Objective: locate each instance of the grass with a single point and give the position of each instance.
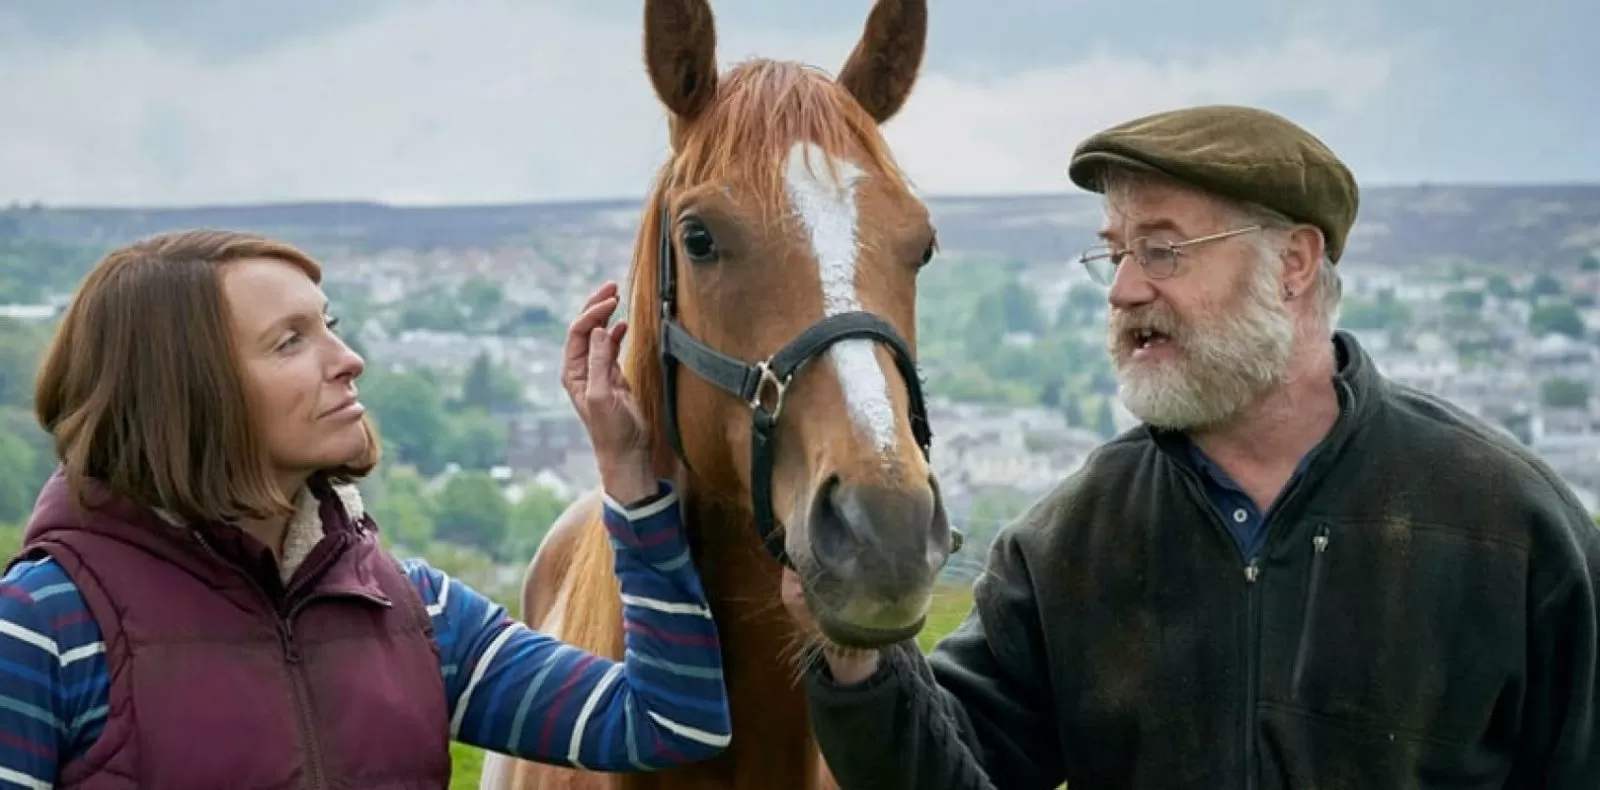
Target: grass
(950, 605)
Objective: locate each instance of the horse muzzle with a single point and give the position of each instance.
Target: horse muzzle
(870, 555)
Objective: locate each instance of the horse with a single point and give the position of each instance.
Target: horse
(772, 312)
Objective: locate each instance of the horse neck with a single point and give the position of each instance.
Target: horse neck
(771, 731)
(735, 568)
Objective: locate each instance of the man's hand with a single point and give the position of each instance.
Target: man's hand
(848, 667)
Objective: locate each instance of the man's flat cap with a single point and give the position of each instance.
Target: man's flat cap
(1237, 152)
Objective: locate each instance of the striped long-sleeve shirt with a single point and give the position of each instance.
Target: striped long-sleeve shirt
(510, 689)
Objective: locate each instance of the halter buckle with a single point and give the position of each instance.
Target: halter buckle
(769, 380)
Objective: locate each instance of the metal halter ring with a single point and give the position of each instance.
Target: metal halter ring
(769, 380)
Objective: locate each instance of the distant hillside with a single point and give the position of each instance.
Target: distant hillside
(1524, 226)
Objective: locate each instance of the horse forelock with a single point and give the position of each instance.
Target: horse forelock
(764, 107)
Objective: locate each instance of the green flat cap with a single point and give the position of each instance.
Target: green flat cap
(1238, 152)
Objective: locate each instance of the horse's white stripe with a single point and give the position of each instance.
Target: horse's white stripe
(573, 751)
(828, 210)
(666, 606)
(708, 738)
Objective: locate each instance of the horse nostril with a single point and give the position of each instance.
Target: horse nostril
(887, 538)
(834, 536)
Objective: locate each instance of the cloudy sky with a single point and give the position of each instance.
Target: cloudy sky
(162, 102)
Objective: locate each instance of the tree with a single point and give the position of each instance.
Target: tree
(477, 387)
(21, 424)
(1589, 263)
(1008, 308)
(531, 519)
(21, 345)
(480, 297)
(409, 412)
(1560, 392)
(477, 570)
(1464, 300)
(18, 485)
(1545, 285)
(1499, 286)
(1083, 302)
(1106, 421)
(1559, 318)
(472, 511)
(489, 386)
(991, 511)
(476, 440)
(403, 509)
(434, 310)
(537, 321)
(1382, 312)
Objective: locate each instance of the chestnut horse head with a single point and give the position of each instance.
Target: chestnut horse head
(774, 311)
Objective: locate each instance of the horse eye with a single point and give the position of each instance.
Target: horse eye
(698, 243)
(927, 254)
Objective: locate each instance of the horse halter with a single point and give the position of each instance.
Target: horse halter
(763, 385)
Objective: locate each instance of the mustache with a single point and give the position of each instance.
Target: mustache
(1151, 318)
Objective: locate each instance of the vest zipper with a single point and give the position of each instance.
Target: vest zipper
(302, 704)
(291, 654)
(1319, 546)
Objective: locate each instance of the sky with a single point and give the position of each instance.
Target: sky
(186, 102)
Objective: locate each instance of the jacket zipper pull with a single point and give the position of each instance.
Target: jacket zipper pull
(1319, 542)
(291, 651)
(1252, 572)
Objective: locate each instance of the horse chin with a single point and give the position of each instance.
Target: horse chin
(858, 637)
(856, 622)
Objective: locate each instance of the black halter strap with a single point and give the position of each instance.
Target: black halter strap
(763, 385)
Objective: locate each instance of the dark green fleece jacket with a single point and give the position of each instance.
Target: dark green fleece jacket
(1422, 615)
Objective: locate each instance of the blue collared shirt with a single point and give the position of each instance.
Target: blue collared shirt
(1246, 521)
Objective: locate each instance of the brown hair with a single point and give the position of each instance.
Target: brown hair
(142, 390)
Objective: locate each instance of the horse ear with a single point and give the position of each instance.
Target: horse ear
(680, 50)
(884, 65)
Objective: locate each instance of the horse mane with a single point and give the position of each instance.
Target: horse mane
(762, 108)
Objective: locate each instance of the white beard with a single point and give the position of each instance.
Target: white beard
(1224, 363)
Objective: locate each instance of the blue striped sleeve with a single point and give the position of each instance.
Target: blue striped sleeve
(54, 685)
(516, 691)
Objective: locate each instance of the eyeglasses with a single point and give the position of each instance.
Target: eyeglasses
(1158, 258)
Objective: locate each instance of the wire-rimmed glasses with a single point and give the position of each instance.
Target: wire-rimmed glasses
(1158, 258)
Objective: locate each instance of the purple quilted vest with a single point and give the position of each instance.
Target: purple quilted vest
(224, 677)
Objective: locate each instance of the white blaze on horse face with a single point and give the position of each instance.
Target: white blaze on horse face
(827, 208)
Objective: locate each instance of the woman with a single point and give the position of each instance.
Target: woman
(201, 600)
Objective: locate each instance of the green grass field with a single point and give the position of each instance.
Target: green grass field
(950, 605)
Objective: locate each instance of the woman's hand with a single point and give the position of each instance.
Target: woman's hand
(593, 379)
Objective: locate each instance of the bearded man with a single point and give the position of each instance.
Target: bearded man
(1294, 574)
